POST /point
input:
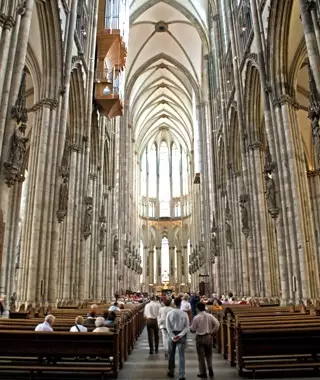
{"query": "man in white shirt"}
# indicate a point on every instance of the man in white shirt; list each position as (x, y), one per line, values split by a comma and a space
(151, 313)
(47, 324)
(78, 327)
(204, 325)
(162, 324)
(177, 323)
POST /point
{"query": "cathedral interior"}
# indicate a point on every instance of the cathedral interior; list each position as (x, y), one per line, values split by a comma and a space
(150, 144)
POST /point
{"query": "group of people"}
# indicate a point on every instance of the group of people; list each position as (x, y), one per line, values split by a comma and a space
(102, 324)
(175, 317)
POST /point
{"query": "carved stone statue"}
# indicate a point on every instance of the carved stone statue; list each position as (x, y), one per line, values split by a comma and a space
(182, 265)
(63, 196)
(102, 235)
(228, 235)
(87, 222)
(148, 266)
(271, 195)
(159, 266)
(18, 146)
(116, 244)
(244, 216)
(214, 245)
(171, 267)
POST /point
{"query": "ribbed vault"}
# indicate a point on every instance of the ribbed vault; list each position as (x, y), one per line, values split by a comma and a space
(164, 69)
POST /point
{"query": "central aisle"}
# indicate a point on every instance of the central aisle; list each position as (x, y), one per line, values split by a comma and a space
(142, 366)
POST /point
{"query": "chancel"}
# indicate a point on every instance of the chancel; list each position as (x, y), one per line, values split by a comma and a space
(157, 148)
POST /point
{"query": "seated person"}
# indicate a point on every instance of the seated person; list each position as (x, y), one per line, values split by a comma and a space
(78, 327)
(114, 307)
(110, 321)
(100, 327)
(47, 324)
(93, 311)
(106, 315)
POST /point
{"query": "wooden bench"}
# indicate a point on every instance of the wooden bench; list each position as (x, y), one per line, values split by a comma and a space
(22, 350)
(282, 346)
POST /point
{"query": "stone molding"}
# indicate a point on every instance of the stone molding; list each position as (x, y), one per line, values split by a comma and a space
(75, 147)
(45, 102)
(3, 18)
(9, 23)
(285, 99)
(21, 8)
(93, 176)
(255, 145)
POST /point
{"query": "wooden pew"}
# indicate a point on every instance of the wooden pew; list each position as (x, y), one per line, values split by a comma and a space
(281, 346)
(21, 350)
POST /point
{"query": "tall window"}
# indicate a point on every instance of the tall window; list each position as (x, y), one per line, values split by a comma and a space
(185, 173)
(144, 174)
(152, 169)
(164, 255)
(175, 171)
(164, 179)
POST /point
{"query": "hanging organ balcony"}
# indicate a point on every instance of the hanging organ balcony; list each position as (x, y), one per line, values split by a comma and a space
(111, 56)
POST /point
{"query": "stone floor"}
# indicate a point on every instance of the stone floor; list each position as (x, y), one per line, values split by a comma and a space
(142, 366)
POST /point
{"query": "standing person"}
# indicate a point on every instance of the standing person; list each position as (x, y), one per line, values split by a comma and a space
(177, 323)
(194, 299)
(151, 312)
(163, 312)
(185, 306)
(204, 325)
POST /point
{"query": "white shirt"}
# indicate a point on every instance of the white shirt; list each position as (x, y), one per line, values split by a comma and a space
(204, 323)
(177, 320)
(152, 309)
(185, 305)
(101, 329)
(43, 327)
(114, 308)
(81, 328)
(163, 312)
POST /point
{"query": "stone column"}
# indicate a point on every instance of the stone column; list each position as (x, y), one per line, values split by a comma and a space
(311, 39)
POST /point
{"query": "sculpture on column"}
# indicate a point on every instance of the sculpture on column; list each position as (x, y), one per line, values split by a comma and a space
(159, 265)
(228, 234)
(148, 266)
(87, 221)
(271, 195)
(244, 214)
(213, 246)
(63, 199)
(314, 114)
(182, 265)
(102, 236)
(171, 266)
(115, 249)
(18, 150)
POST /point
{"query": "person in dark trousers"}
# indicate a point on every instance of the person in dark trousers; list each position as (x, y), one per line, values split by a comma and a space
(194, 299)
(151, 313)
(177, 323)
(204, 325)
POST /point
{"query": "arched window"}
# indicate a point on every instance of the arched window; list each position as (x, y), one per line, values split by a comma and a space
(152, 169)
(164, 255)
(143, 172)
(175, 171)
(164, 180)
(185, 187)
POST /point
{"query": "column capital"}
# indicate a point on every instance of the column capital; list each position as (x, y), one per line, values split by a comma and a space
(75, 147)
(9, 22)
(45, 102)
(285, 99)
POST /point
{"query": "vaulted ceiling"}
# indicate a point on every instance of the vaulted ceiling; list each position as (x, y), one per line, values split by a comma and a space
(167, 42)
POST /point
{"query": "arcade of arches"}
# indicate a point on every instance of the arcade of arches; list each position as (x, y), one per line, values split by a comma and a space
(151, 143)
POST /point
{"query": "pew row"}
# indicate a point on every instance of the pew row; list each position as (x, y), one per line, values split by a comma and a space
(59, 352)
